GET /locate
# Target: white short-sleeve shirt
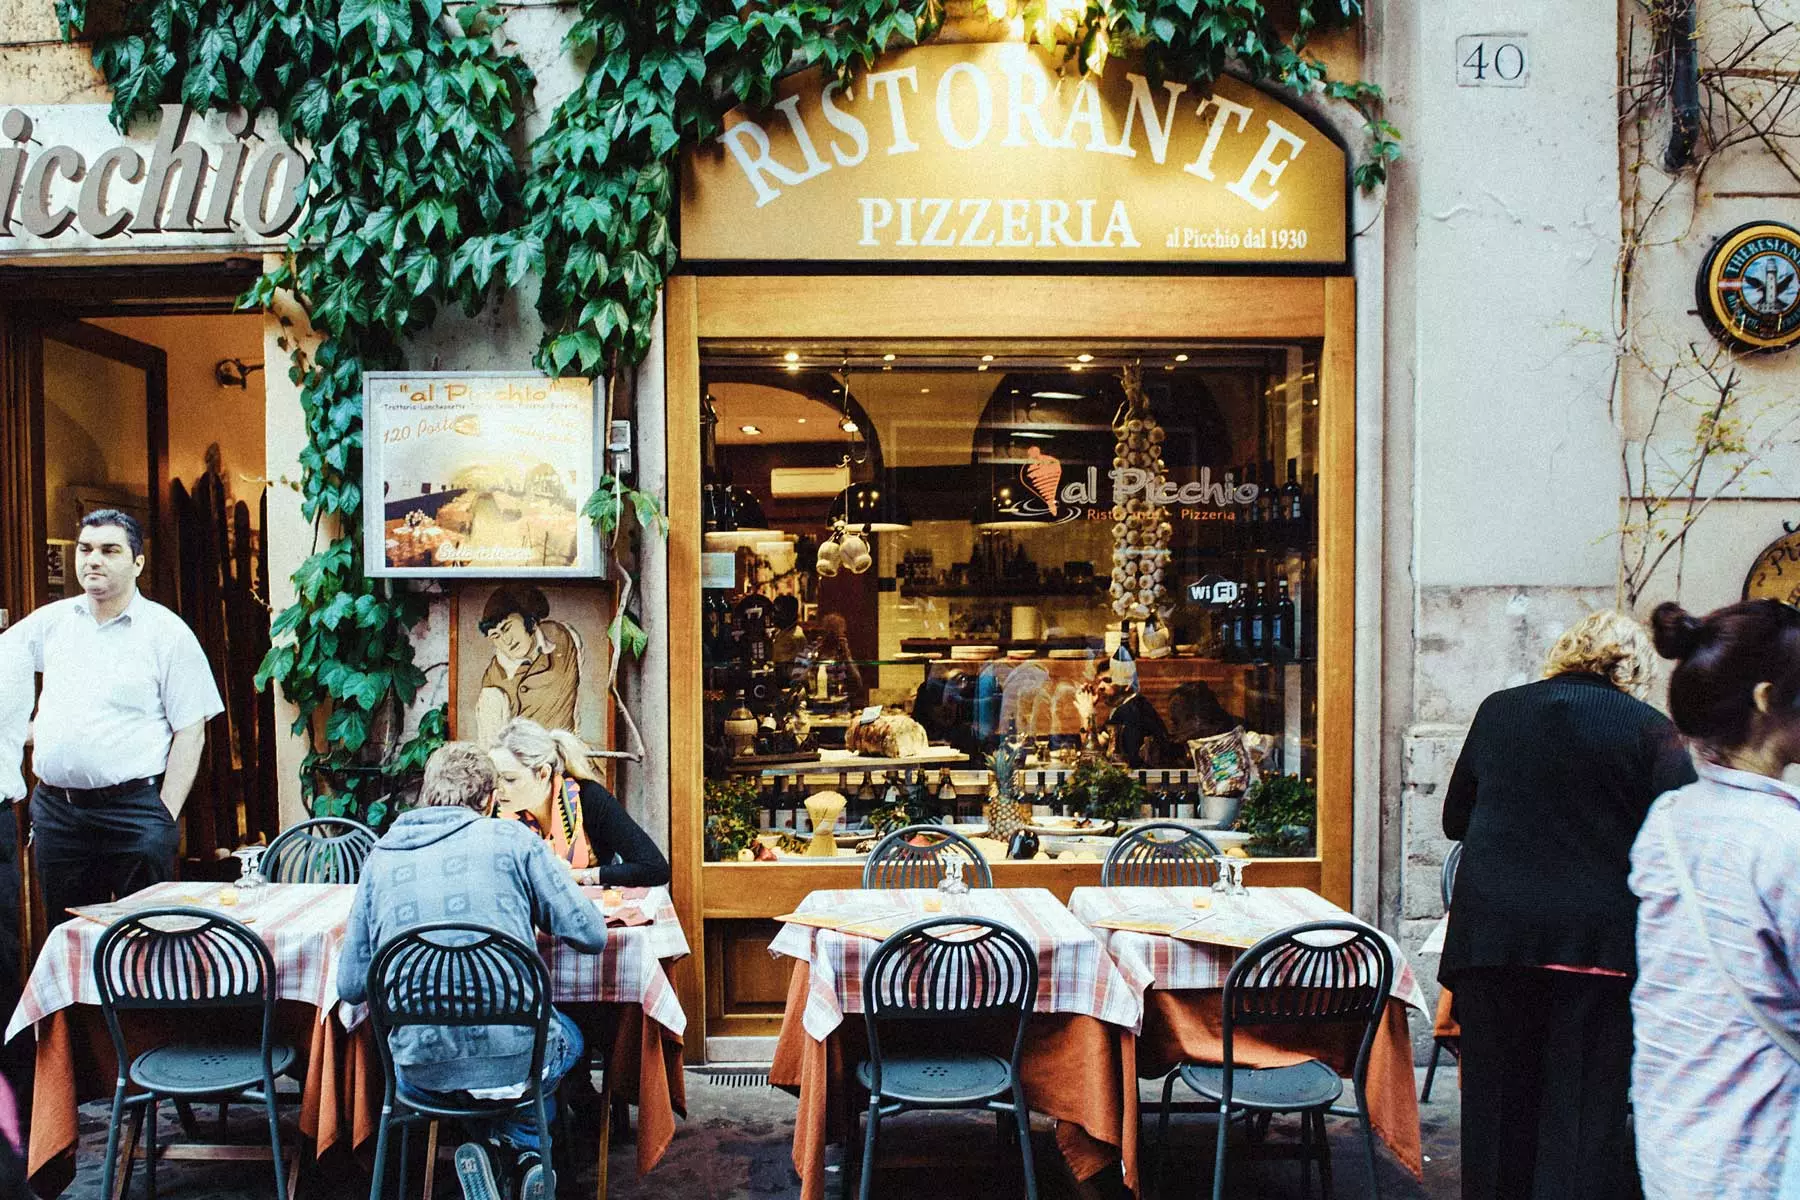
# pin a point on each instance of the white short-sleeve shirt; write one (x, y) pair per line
(113, 694)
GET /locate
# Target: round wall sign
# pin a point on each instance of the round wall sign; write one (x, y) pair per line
(1775, 575)
(1749, 286)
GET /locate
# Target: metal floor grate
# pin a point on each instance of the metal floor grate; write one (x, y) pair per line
(728, 1077)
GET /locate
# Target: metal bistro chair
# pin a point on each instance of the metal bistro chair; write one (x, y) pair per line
(186, 959)
(896, 862)
(455, 974)
(1452, 861)
(1161, 854)
(951, 969)
(322, 850)
(1305, 974)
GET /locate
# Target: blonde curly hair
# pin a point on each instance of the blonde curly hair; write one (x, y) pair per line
(1608, 643)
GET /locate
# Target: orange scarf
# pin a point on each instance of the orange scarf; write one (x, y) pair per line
(567, 834)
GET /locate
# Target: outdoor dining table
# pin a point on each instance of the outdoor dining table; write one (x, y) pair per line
(1181, 984)
(1077, 1063)
(303, 925)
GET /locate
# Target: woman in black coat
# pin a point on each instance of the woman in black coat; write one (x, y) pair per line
(543, 780)
(1547, 796)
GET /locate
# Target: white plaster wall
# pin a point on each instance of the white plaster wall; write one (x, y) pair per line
(1517, 235)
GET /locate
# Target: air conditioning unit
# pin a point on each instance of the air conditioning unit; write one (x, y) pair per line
(805, 482)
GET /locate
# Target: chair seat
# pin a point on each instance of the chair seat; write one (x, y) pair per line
(184, 1069)
(461, 1104)
(1310, 1084)
(940, 1080)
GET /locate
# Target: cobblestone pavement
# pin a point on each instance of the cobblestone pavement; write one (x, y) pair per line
(735, 1145)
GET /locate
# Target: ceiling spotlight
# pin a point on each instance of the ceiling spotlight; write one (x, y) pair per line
(987, 358)
(793, 366)
(982, 367)
(887, 358)
(922, 391)
(792, 356)
(1056, 395)
(1086, 358)
(799, 420)
(847, 425)
(1181, 358)
(751, 429)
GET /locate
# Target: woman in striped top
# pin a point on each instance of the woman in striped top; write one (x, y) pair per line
(1715, 1096)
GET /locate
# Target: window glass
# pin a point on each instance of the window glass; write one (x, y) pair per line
(917, 556)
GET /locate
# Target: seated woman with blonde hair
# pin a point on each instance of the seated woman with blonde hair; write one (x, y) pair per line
(543, 781)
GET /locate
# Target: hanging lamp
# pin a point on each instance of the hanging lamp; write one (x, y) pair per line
(873, 506)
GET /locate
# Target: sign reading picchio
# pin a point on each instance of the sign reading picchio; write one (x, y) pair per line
(69, 181)
(991, 152)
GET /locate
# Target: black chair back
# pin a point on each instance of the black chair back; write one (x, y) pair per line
(449, 973)
(182, 957)
(1161, 854)
(322, 850)
(1452, 861)
(1322, 972)
(914, 857)
(952, 968)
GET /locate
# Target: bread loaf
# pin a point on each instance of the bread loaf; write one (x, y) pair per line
(887, 735)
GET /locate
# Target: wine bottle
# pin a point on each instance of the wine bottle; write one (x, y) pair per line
(1258, 615)
(1293, 506)
(1062, 793)
(946, 794)
(1268, 505)
(1231, 537)
(1163, 806)
(1253, 511)
(1191, 796)
(1281, 631)
(1233, 625)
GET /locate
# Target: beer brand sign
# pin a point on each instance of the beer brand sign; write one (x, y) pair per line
(69, 181)
(991, 153)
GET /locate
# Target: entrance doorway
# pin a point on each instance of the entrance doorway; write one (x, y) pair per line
(142, 390)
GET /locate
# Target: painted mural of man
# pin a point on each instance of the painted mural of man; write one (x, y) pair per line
(537, 667)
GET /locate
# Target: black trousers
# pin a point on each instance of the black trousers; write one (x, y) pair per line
(1546, 1074)
(92, 855)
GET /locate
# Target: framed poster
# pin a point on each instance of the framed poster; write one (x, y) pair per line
(470, 474)
(521, 650)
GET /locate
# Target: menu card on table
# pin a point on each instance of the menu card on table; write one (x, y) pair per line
(862, 918)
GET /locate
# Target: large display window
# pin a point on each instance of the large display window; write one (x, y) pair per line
(967, 612)
(1099, 563)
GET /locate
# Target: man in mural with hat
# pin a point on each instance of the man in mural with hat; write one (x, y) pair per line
(537, 666)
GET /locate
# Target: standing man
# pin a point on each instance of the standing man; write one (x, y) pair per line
(119, 729)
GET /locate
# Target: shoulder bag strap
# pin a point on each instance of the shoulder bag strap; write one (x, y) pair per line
(1689, 899)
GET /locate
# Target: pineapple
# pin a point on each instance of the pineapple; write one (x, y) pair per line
(1005, 812)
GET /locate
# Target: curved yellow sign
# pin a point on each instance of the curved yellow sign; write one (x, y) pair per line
(990, 153)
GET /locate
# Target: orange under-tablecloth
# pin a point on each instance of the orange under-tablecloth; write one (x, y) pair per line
(75, 1065)
(341, 1085)
(1446, 1024)
(1076, 1068)
(1186, 1025)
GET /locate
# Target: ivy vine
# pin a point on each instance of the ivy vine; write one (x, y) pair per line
(417, 201)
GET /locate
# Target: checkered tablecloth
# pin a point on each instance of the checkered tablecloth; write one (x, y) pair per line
(1074, 973)
(1153, 960)
(628, 971)
(631, 968)
(302, 923)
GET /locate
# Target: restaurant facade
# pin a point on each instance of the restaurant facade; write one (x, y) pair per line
(991, 405)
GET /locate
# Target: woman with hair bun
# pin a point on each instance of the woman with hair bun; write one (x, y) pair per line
(1548, 793)
(1716, 1075)
(542, 779)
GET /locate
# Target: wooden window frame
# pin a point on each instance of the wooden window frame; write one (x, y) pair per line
(1034, 308)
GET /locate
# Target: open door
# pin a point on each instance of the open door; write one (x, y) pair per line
(100, 405)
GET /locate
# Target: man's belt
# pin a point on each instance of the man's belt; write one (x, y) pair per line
(100, 796)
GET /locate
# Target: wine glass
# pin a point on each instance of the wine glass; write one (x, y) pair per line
(249, 867)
